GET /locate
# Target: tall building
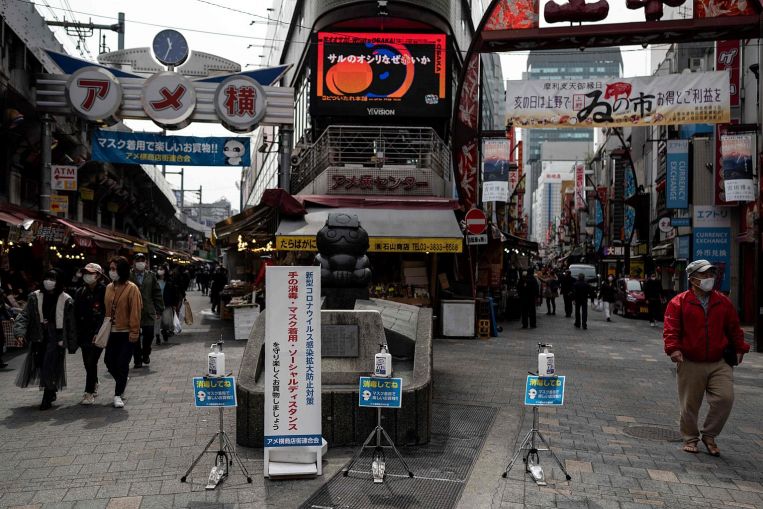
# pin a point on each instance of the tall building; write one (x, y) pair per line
(563, 65)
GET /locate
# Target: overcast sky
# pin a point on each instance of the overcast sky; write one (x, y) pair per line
(232, 35)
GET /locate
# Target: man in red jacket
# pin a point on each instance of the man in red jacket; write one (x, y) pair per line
(700, 324)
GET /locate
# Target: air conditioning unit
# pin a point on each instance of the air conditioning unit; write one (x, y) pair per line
(696, 64)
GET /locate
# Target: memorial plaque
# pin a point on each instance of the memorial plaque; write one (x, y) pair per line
(339, 341)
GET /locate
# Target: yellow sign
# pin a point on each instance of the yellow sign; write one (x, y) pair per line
(59, 204)
(415, 245)
(86, 194)
(379, 244)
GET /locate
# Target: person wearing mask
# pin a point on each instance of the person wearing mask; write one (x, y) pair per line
(565, 284)
(47, 323)
(528, 295)
(581, 290)
(653, 294)
(89, 311)
(170, 298)
(124, 306)
(607, 296)
(703, 337)
(153, 305)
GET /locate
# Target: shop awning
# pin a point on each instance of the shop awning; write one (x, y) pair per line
(389, 230)
(85, 237)
(512, 241)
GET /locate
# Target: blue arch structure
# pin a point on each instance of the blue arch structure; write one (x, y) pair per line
(514, 25)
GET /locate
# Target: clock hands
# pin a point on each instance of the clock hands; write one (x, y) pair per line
(169, 48)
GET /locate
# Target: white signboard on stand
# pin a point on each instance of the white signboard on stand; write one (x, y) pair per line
(292, 364)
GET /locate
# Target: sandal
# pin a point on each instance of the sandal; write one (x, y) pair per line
(690, 447)
(712, 447)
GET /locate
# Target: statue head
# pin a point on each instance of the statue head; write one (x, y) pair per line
(342, 233)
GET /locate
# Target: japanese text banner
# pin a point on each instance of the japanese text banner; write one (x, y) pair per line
(154, 148)
(293, 357)
(652, 100)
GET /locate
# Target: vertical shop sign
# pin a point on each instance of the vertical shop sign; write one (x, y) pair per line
(728, 57)
(580, 201)
(293, 357)
(495, 169)
(736, 165)
(677, 182)
(712, 240)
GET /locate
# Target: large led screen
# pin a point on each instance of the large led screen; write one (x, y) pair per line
(380, 75)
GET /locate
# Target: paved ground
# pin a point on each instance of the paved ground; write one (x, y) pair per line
(618, 377)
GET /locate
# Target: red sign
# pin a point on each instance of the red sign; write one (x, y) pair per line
(476, 222)
(728, 55)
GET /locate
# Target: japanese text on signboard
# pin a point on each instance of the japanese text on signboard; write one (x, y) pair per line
(292, 374)
(655, 100)
(154, 148)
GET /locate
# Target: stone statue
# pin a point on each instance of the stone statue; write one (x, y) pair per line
(345, 268)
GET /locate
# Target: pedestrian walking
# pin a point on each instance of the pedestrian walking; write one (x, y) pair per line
(124, 306)
(153, 305)
(170, 296)
(566, 284)
(89, 312)
(607, 296)
(653, 295)
(550, 291)
(528, 295)
(47, 324)
(219, 280)
(581, 290)
(703, 337)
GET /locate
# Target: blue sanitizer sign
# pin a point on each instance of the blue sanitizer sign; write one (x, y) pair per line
(380, 392)
(214, 391)
(544, 391)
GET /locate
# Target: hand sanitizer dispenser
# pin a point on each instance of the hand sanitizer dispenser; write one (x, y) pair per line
(216, 360)
(383, 362)
(546, 365)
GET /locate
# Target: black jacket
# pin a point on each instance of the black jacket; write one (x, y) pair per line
(652, 289)
(528, 287)
(89, 310)
(566, 282)
(582, 290)
(607, 292)
(170, 294)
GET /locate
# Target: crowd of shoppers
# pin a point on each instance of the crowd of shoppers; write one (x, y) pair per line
(128, 305)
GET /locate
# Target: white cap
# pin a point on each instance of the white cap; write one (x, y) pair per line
(698, 266)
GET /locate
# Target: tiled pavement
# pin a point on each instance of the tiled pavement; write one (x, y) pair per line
(99, 457)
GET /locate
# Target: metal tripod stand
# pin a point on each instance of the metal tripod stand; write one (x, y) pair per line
(530, 445)
(226, 454)
(378, 463)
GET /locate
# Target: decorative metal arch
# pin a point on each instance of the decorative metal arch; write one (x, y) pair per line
(513, 25)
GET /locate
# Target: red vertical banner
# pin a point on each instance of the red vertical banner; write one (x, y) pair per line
(580, 201)
(728, 57)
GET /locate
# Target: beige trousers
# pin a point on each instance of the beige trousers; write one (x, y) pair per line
(695, 379)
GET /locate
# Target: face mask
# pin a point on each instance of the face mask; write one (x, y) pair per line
(113, 275)
(706, 285)
(79, 275)
(524, 273)
(49, 284)
(89, 278)
(140, 265)
(610, 278)
(160, 272)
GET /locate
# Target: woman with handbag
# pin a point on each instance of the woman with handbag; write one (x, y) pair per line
(123, 305)
(47, 323)
(89, 310)
(170, 296)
